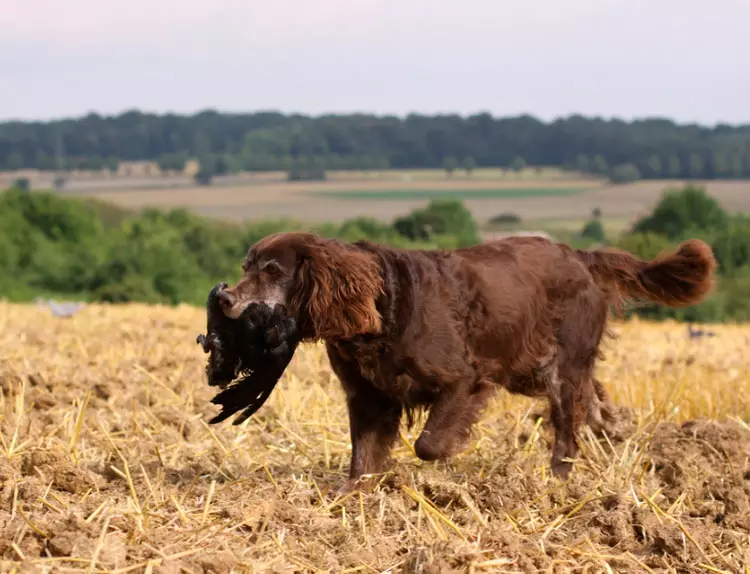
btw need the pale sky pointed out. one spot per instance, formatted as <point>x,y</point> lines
<point>682,59</point>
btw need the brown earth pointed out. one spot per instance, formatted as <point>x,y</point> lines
<point>108,466</point>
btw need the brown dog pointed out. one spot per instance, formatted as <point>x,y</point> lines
<point>441,329</point>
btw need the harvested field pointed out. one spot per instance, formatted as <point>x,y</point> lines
<point>465,194</point>
<point>348,195</point>
<point>107,464</point>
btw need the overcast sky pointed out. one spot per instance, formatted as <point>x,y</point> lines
<point>683,59</point>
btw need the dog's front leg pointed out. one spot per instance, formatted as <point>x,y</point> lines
<point>454,412</point>
<point>374,421</point>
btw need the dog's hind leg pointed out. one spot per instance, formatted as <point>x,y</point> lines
<point>571,386</point>
<point>599,414</point>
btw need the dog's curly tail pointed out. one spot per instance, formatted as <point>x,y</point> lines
<point>678,279</point>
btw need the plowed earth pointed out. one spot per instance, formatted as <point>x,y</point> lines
<point>107,464</point>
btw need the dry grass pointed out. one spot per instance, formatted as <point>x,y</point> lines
<point>107,464</point>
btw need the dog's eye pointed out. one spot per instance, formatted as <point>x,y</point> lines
<point>272,268</point>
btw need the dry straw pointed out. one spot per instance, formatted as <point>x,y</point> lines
<point>107,464</point>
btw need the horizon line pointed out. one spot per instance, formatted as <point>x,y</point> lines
<point>378,115</point>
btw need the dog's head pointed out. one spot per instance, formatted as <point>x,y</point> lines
<point>330,288</point>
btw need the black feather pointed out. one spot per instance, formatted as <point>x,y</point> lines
<point>257,347</point>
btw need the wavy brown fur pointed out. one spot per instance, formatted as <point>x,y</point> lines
<point>441,330</point>
<point>677,279</point>
<point>336,294</point>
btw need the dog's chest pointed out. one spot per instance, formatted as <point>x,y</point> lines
<point>385,368</point>
<point>376,360</point>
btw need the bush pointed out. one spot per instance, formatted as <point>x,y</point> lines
<point>450,164</point>
<point>22,183</point>
<point>645,246</point>
<point>55,245</point>
<point>366,228</point>
<point>731,245</point>
<point>518,164</point>
<point>681,211</point>
<point>469,164</point>
<point>626,173</point>
<point>203,177</point>
<point>130,289</point>
<point>442,217</point>
<point>307,168</point>
<point>594,230</point>
<point>505,219</point>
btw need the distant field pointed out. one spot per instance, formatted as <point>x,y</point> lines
<point>544,199</point>
<point>560,228</point>
<point>492,173</point>
<point>429,194</point>
<point>90,180</point>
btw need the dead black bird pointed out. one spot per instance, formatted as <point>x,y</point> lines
<point>256,347</point>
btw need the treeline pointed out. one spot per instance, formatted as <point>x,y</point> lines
<point>82,249</point>
<point>623,151</point>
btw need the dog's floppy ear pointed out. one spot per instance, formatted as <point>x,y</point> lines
<point>336,291</point>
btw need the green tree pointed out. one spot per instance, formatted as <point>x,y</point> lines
<point>205,174</point>
<point>203,177</point>
<point>220,165</point>
<point>14,161</point>
<point>731,245</point>
<point>22,183</point>
<point>112,164</point>
<point>449,164</point>
<point>582,163</point>
<point>201,144</point>
<point>446,218</point>
<point>505,219</point>
<point>696,166</point>
<point>736,167</point>
<point>681,211</point>
<point>416,141</point>
<point>599,165</point>
<point>518,164</point>
<point>626,173</point>
<point>469,164</point>
<point>674,168</point>
<point>719,164</point>
<point>654,166</point>
<point>594,230</point>
<point>172,162</point>
<point>644,245</point>
<point>43,161</point>
<point>306,169</point>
